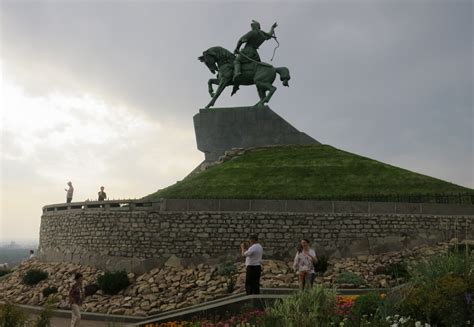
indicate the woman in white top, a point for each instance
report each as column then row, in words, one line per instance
column 304, row 264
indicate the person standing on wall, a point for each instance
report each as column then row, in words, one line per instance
column 253, row 263
column 304, row 262
column 70, row 192
column 102, row 195
column 76, row 296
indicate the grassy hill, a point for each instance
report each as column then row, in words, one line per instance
column 305, row 172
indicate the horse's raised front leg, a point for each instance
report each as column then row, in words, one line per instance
column 214, row 81
column 220, row 88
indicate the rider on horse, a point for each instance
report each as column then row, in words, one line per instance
column 253, row 40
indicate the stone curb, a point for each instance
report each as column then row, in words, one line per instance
column 60, row 313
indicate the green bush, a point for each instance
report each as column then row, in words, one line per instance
column 366, row 305
column 44, row 318
column 226, row 268
column 440, row 291
column 315, row 308
column 428, row 271
column 347, row 277
column 49, row 290
column 461, row 249
column 444, row 305
column 113, row 282
column 231, row 281
column 12, row 316
column 5, row 272
column 322, row 265
column 34, row 276
column 398, row 270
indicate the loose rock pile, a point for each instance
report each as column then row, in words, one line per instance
column 168, row 288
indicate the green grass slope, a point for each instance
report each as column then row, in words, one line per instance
column 304, row 172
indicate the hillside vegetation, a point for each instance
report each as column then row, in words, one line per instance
column 304, row 172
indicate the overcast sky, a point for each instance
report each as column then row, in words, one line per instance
column 103, row 92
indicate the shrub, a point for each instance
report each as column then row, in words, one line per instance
column 113, row 282
column 34, row 276
column 347, row 277
column 231, row 281
column 226, row 268
column 44, row 318
column 322, row 265
column 314, row 308
column 11, row 316
column 49, row 290
column 91, row 289
column 366, row 305
column 444, row 305
column 5, row 272
column 428, row 271
column 440, row 291
column 380, row 270
column 398, row 270
column 461, row 249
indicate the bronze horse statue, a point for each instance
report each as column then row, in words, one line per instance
column 260, row 74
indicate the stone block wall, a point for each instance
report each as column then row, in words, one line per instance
column 143, row 239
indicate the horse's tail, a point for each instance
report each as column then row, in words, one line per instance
column 284, row 75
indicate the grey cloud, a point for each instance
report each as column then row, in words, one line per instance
column 384, row 79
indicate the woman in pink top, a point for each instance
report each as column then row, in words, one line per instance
column 304, row 264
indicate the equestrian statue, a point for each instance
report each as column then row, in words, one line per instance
column 244, row 67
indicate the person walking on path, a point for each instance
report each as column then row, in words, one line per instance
column 70, row 192
column 102, row 195
column 253, row 261
column 303, row 264
column 76, row 295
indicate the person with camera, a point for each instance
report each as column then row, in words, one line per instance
column 303, row 264
column 253, row 261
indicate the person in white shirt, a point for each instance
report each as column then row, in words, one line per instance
column 32, row 254
column 70, row 192
column 304, row 264
column 253, row 261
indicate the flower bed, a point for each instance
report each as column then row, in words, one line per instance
column 345, row 304
column 439, row 294
column 248, row 318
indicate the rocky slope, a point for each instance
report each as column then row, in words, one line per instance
column 168, row 287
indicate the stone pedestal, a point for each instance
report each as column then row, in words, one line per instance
column 221, row 129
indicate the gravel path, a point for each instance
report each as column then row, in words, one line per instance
column 65, row 322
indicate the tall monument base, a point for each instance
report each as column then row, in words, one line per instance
column 221, row 129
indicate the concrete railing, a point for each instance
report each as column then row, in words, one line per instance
column 113, row 205
column 241, row 205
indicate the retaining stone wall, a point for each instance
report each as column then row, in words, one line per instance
column 138, row 240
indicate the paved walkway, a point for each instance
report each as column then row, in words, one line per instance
column 65, row 322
